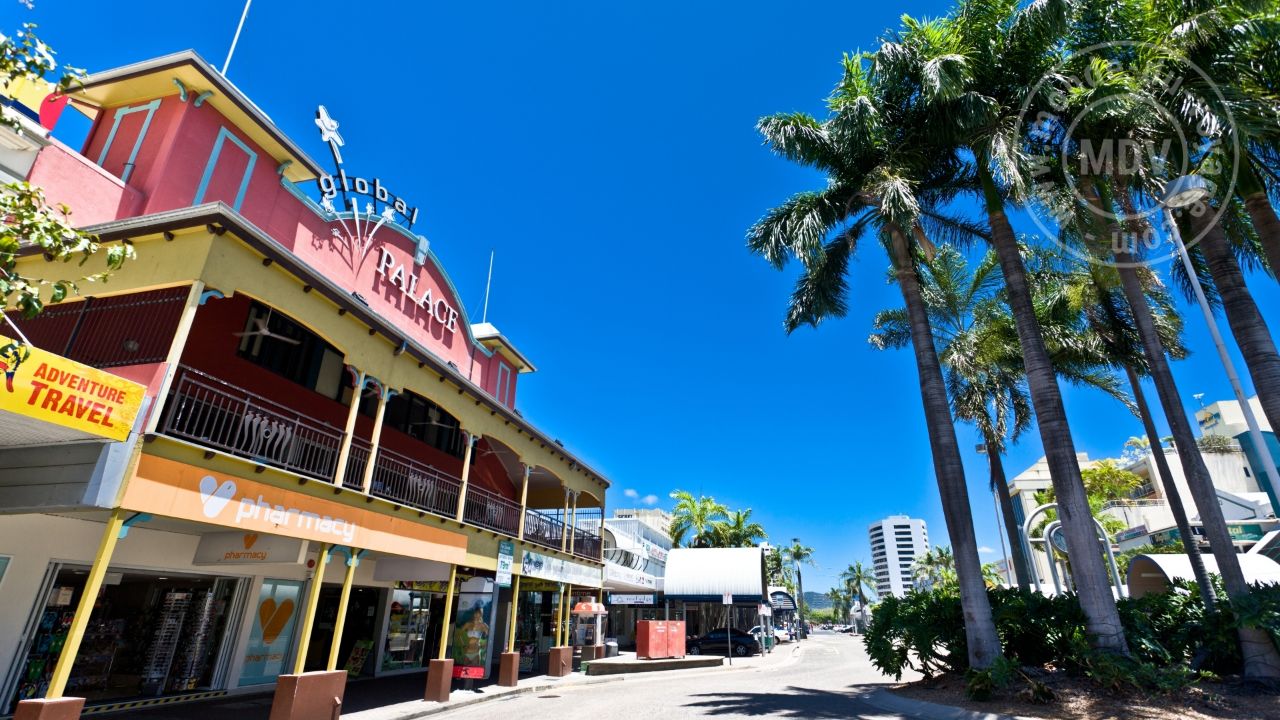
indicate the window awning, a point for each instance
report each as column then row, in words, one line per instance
column 707, row 574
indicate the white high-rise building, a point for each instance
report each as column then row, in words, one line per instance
column 896, row 542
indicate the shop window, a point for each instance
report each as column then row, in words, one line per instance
column 149, row 635
column 504, row 384
column 279, row 344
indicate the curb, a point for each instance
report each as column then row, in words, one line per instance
column 475, row 700
column 888, row 701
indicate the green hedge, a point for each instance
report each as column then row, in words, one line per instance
column 925, row 630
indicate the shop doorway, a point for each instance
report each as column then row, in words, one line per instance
column 149, row 635
column 356, row 651
column 413, row 619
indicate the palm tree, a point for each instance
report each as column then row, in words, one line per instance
column 858, row 581
column 936, row 569
column 840, row 603
column 798, row 554
column 1119, row 105
column 694, row 519
column 972, row 72
column 737, row 531
column 978, row 346
column 881, row 176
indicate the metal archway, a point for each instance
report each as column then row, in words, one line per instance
column 1043, row 539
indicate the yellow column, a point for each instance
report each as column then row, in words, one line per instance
column 309, row 612
column 353, row 559
column 560, row 618
column 466, row 473
column 564, row 525
column 573, row 523
column 176, row 346
column 375, row 438
column 511, row 622
column 92, row 584
column 448, row 611
column 524, row 501
column 344, row 450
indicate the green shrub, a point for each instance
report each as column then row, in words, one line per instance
column 1170, row 636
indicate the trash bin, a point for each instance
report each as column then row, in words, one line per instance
column 611, row 648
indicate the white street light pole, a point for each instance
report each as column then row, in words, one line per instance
column 1183, row 192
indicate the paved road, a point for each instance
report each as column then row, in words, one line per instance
column 824, row 679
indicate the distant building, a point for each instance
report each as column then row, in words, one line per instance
column 655, row 518
column 1226, row 418
column 896, row 542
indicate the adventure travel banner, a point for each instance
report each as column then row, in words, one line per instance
column 40, row 385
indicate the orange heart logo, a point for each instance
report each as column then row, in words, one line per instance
column 272, row 618
column 250, row 539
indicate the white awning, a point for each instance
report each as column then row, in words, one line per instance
column 706, row 574
column 1154, row 573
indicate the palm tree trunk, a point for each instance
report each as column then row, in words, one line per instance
column 980, row 628
column 1261, row 214
column 1261, row 659
column 1000, row 486
column 1102, row 619
column 1247, row 324
column 1171, row 494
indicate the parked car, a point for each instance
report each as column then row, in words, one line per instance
column 779, row 635
column 717, row 642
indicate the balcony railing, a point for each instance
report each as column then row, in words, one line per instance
column 403, row 480
column 491, row 511
column 543, row 529
column 217, row 414
column 211, row 412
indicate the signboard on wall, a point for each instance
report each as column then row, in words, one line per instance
column 41, row 385
column 506, row 560
column 246, row 548
column 614, row 572
column 616, row 599
column 534, row 564
column 174, row 489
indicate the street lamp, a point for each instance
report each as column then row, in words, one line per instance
column 1185, row 192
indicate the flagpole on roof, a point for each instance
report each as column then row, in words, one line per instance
column 236, row 37
column 484, row 316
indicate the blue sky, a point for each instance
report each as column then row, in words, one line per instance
column 608, row 155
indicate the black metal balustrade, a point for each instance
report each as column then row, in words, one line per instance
column 543, row 529
column 491, row 511
column 211, row 412
column 403, row 480
column 586, row 544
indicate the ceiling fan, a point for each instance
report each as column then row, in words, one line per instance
column 262, row 329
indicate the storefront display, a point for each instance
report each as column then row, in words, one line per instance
column 472, row 631
column 148, row 636
column 407, row 621
column 274, row 618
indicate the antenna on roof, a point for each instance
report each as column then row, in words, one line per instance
column 484, row 316
column 236, row 37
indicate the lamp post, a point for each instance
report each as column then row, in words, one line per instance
column 1185, row 192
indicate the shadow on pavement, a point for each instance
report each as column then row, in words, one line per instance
column 793, row 702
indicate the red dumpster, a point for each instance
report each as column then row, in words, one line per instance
column 675, row 638
column 651, row 639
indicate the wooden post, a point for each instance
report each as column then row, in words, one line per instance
column 174, row 356
column 466, row 473
column 524, row 501
column 383, row 398
column 448, row 610
column 564, row 524
column 309, row 612
column 344, row 450
column 511, row 621
column 353, row 559
column 84, row 608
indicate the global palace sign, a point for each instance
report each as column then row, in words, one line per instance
column 357, row 232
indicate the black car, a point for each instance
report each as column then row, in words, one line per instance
column 716, row 643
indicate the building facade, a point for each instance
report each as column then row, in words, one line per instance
column 327, row 469
column 635, row 567
column 896, row 542
column 1226, row 418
